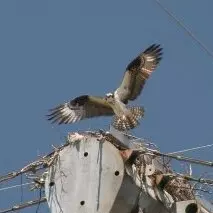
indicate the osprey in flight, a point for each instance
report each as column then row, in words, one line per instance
column 125, row 118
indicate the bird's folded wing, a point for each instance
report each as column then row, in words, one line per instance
column 137, row 72
column 80, row 108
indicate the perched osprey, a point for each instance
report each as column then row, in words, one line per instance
column 86, row 106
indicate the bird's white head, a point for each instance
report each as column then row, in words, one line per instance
column 109, row 97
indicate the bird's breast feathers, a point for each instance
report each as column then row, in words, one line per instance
column 119, row 108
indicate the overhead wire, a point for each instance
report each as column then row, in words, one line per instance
column 40, row 197
column 192, row 149
column 15, row 186
column 22, row 192
column 186, row 29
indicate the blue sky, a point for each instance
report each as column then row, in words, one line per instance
column 53, row 51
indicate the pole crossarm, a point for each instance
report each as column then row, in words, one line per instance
column 24, row 205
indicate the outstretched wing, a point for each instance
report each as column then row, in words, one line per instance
column 137, row 72
column 80, row 108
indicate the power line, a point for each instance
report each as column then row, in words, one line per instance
column 15, row 186
column 22, row 192
column 186, row 29
column 191, row 149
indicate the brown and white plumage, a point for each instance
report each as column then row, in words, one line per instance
column 85, row 106
column 80, row 108
column 137, row 72
column 129, row 120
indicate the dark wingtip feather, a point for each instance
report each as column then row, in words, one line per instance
column 54, row 114
column 62, row 114
column 156, row 51
column 61, row 106
column 154, row 48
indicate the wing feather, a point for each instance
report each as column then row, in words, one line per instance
column 80, row 108
column 137, row 72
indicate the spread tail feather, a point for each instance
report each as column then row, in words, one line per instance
column 129, row 121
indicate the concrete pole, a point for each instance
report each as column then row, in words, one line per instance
column 91, row 175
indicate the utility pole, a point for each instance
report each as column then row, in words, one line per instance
column 109, row 172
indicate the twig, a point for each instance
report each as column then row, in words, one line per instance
column 190, row 178
column 177, row 157
column 184, row 158
column 39, row 164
